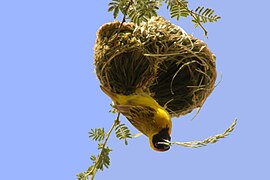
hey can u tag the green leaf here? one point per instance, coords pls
(200, 9)
(93, 158)
(116, 12)
(104, 160)
(178, 11)
(81, 176)
(140, 11)
(178, 8)
(202, 15)
(114, 7)
(122, 132)
(97, 134)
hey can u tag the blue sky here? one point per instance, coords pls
(50, 97)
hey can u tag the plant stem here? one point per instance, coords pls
(191, 13)
(124, 17)
(94, 169)
(199, 23)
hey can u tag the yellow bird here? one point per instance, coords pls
(144, 113)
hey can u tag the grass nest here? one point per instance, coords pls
(160, 58)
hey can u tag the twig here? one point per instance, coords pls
(199, 23)
(93, 170)
(191, 13)
(124, 18)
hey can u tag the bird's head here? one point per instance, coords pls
(157, 139)
(156, 127)
(150, 119)
(160, 131)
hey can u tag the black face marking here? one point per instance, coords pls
(160, 137)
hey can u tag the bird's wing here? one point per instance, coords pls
(139, 116)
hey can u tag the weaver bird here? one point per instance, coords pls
(145, 114)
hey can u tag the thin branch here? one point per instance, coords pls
(199, 23)
(124, 17)
(94, 168)
(193, 15)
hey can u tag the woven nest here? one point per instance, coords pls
(175, 68)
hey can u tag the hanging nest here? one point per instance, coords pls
(160, 58)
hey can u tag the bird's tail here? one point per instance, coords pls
(112, 95)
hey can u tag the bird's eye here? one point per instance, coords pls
(161, 137)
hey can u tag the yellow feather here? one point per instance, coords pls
(143, 112)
